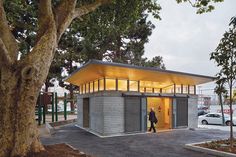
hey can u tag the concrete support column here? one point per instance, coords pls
(192, 112)
(80, 111)
(174, 113)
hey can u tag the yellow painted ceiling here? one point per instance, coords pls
(98, 69)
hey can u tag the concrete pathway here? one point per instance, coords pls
(60, 117)
(166, 144)
(219, 127)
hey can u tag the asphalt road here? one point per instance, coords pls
(166, 144)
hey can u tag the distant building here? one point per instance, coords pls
(204, 100)
(207, 101)
(227, 100)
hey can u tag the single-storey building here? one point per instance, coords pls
(116, 98)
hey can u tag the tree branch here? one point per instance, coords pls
(64, 16)
(46, 17)
(67, 11)
(83, 10)
(190, 2)
(4, 55)
(6, 36)
(43, 51)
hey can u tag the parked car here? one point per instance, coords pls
(214, 118)
(201, 112)
(202, 107)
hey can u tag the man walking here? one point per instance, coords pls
(152, 119)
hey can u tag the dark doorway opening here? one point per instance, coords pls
(86, 112)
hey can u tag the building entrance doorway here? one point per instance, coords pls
(163, 110)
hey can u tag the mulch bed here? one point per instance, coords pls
(221, 145)
(58, 150)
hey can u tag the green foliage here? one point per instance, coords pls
(233, 22)
(22, 18)
(116, 32)
(220, 85)
(225, 55)
(221, 91)
(156, 61)
(225, 58)
(202, 6)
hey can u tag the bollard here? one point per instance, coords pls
(52, 107)
(56, 106)
(44, 111)
(65, 102)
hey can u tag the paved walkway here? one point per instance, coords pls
(60, 117)
(166, 144)
(220, 127)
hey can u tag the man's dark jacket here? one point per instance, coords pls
(152, 117)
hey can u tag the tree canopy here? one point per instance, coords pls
(202, 6)
(106, 34)
(225, 58)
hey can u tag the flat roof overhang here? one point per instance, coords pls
(96, 69)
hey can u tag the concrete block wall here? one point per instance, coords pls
(96, 114)
(113, 110)
(107, 113)
(80, 111)
(192, 112)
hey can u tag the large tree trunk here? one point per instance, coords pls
(20, 86)
(19, 92)
(17, 115)
(21, 80)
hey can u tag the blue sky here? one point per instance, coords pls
(185, 39)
